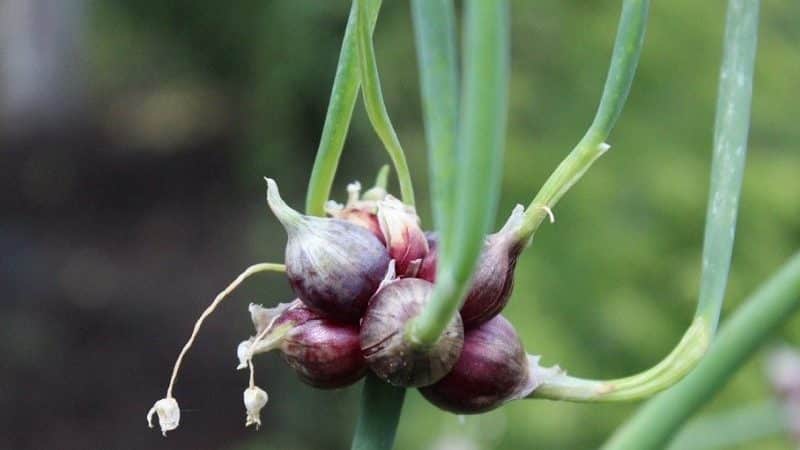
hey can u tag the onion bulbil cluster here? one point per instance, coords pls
(359, 276)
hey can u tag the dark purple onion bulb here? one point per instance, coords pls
(324, 353)
(427, 270)
(493, 279)
(492, 370)
(333, 266)
(383, 336)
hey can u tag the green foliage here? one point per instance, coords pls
(610, 287)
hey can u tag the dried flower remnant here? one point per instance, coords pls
(168, 412)
(166, 409)
(254, 401)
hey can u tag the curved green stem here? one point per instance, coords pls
(373, 102)
(727, 168)
(624, 59)
(557, 385)
(337, 120)
(772, 305)
(381, 405)
(481, 139)
(435, 36)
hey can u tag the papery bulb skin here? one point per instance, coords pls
(360, 210)
(383, 336)
(427, 270)
(493, 279)
(334, 266)
(403, 235)
(324, 353)
(492, 369)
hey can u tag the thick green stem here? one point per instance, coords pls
(381, 405)
(337, 120)
(727, 167)
(373, 101)
(624, 59)
(772, 305)
(435, 33)
(481, 139)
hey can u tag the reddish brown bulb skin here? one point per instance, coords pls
(427, 270)
(491, 370)
(383, 336)
(493, 280)
(324, 353)
(363, 218)
(335, 266)
(405, 239)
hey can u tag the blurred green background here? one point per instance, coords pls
(134, 138)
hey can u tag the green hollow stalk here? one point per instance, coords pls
(435, 37)
(480, 143)
(624, 60)
(772, 305)
(337, 120)
(727, 168)
(374, 104)
(381, 405)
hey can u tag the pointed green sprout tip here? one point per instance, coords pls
(382, 179)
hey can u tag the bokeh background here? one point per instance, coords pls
(133, 139)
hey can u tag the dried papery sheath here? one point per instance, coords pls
(493, 279)
(383, 336)
(324, 353)
(334, 266)
(492, 370)
(360, 211)
(403, 236)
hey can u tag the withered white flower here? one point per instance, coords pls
(168, 412)
(169, 415)
(254, 400)
(243, 352)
